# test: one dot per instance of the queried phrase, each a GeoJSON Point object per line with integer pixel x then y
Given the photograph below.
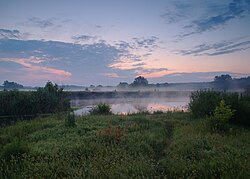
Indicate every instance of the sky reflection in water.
{"type": "Point", "coordinates": [126, 106]}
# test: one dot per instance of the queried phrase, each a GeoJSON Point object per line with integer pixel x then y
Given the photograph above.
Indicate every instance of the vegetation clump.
{"type": "Point", "coordinates": [16, 105]}
{"type": "Point", "coordinates": [14, 149]}
{"type": "Point", "coordinates": [139, 82]}
{"type": "Point", "coordinates": [222, 114]}
{"type": "Point", "coordinates": [101, 108]}
{"type": "Point", "coordinates": [70, 120]}
{"type": "Point", "coordinates": [134, 146]}
{"type": "Point", "coordinates": [203, 104]}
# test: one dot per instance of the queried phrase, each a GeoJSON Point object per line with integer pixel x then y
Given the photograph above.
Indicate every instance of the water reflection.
{"type": "Point", "coordinates": [126, 106]}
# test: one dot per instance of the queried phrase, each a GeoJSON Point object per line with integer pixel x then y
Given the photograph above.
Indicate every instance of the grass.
{"type": "Point", "coordinates": [169, 145]}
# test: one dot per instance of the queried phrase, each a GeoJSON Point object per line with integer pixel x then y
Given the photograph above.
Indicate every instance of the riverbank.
{"type": "Point", "coordinates": [125, 94]}
{"type": "Point", "coordinates": [171, 145]}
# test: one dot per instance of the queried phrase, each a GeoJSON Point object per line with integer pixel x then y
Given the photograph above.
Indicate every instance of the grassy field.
{"type": "Point", "coordinates": [170, 145]}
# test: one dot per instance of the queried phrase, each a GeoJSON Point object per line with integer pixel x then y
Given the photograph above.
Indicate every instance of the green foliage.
{"type": "Point", "coordinates": [222, 114]}
{"type": "Point", "coordinates": [101, 108]}
{"type": "Point", "coordinates": [14, 149]}
{"type": "Point", "coordinates": [51, 99]}
{"type": "Point", "coordinates": [26, 104]}
{"type": "Point", "coordinates": [167, 145]}
{"type": "Point", "coordinates": [247, 89]}
{"type": "Point", "coordinates": [203, 104]}
{"type": "Point", "coordinates": [195, 152]}
{"type": "Point", "coordinates": [242, 110]}
{"type": "Point", "coordinates": [158, 112]}
{"type": "Point", "coordinates": [70, 120]}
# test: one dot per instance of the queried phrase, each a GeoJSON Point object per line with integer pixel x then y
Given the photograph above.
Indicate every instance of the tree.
{"type": "Point", "coordinates": [51, 99]}
{"type": "Point", "coordinates": [223, 82]}
{"type": "Point", "coordinates": [247, 89]}
{"type": "Point", "coordinates": [11, 85]}
{"type": "Point", "coordinates": [140, 81]}
{"type": "Point", "coordinates": [123, 85]}
{"type": "Point", "coordinates": [223, 78]}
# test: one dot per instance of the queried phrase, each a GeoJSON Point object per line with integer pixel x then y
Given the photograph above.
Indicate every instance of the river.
{"type": "Point", "coordinates": [133, 105]}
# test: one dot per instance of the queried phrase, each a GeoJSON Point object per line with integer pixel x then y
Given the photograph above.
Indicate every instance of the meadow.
{"type": "Point", "coordinates": [160, 145]}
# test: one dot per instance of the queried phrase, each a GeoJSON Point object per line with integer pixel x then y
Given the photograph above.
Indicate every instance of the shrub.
{"type": "Point", "coordinates": [242, 114]}
{"type": "Point", "coordinates": [70, 120]}
{"type": "Point", "coordinates": [158, 112]}
{"type": "Point", "coordinates": [203, 103]}
{"type": "Point", "coordinates": [222, 114]}
{"type": "Point", "coordinates": [101, 108]}
{"type": "Point", "coordinates": [27, 104]}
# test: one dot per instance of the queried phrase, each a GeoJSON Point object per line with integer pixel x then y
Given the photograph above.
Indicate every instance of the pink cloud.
{"type": "Point", "coordinates": [31, 72]}
{"type": "Point", "coordinates": [154, 74]}
{"type": "Point", "coordinates": [111, 75]}
{"type": "Point", "coordinates": [124, 63]}
{"type": "Point", "coordinates": [29, 66]}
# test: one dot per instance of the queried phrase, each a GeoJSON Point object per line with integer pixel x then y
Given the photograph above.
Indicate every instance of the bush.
{"type": "Point", "coordinates": [27, 104]}
{"type": "Point", "coordinates": [70, 120]}
{"type": "Point", "coordinates": [101, 108]}
{"type": "Point", "coordinates": [222, 115]}
{"type": "Point", "coordinates": [203, 104]}
{"type": "Point", "coordinates": [242, 113]}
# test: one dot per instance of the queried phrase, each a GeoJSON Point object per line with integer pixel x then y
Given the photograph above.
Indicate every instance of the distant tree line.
{"type": "Point", "coordinates": [11, 85]}
{"type": "Point", "coordinates": [27, 104]}
{"type": "Point", "coordinates": [226, 82]}
{"type": "Point", "coordinates": [139, 81]}
{"type": "Point", "coordinates": [222, 82]}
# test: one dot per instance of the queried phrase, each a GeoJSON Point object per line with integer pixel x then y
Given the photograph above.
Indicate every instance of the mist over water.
{"type": "Point", "coordinates": [133, 105]}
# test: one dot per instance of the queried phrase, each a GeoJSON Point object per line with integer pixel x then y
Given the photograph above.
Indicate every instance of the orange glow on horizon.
{"type": "Point", "coordinates": [156, 74]}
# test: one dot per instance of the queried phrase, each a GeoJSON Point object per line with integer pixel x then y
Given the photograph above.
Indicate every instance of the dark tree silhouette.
{"type": "Point", "coordinates": [223, 82]}
{"type": "Point", "coordinates": [140, 81]}
{"type": "Point", "coordinates": [223, 78]}
{"type": "Point", "coordinates": [123, 85]}
{"type": "Point", "coordinates": [11, 85]}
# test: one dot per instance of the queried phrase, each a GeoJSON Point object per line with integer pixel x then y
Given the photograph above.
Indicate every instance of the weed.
{"type": "Point", "coordinates": [70, 120]}
{"type": "Point", "coordinates": [222, 114]}
{"type": "Point", "coordinates": [101, 108]}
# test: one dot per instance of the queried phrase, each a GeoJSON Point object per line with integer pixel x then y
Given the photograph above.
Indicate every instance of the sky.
{"type": "Point", "coordinates": [105, 42]}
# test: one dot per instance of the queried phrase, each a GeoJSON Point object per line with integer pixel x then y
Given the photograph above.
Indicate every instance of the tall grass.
{"type": "Point", "coordinates": [168, 145]}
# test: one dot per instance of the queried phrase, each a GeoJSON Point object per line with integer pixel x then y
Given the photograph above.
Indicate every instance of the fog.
{"type": "Point", "coordinates": [174, 101]}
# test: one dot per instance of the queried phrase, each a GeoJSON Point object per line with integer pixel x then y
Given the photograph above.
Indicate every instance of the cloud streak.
{"type": "Point", "coordinates": [111, 75]}
{"type": "Point", "coordinates": [83, 38]}
{"type": "Point", "coordinates": [224, 47]}
{"type": "Point", "coordinates": [153, 73]}
{"type": "Point", "coordinates": [135, 57]}
{"type": "Point", "coordinates": [86, 61]}
{"type": "Point", "coordinates": [9, 34]}
{"type": "Point", "coordinates": [42, 23]}
{"type": "Point", "coordinates": [176, 11]}
{"type": "Point", "coordinates": [212, 16]}
{"type": "Point", "coordinates": [235, 9]}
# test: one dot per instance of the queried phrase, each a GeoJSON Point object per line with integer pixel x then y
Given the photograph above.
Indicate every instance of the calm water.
{"type": "Point", "coordinates": [131, 105]}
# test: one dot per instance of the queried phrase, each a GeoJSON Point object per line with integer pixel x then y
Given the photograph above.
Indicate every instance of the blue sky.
{"type": "Point", "coordinates": [105, 42]}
